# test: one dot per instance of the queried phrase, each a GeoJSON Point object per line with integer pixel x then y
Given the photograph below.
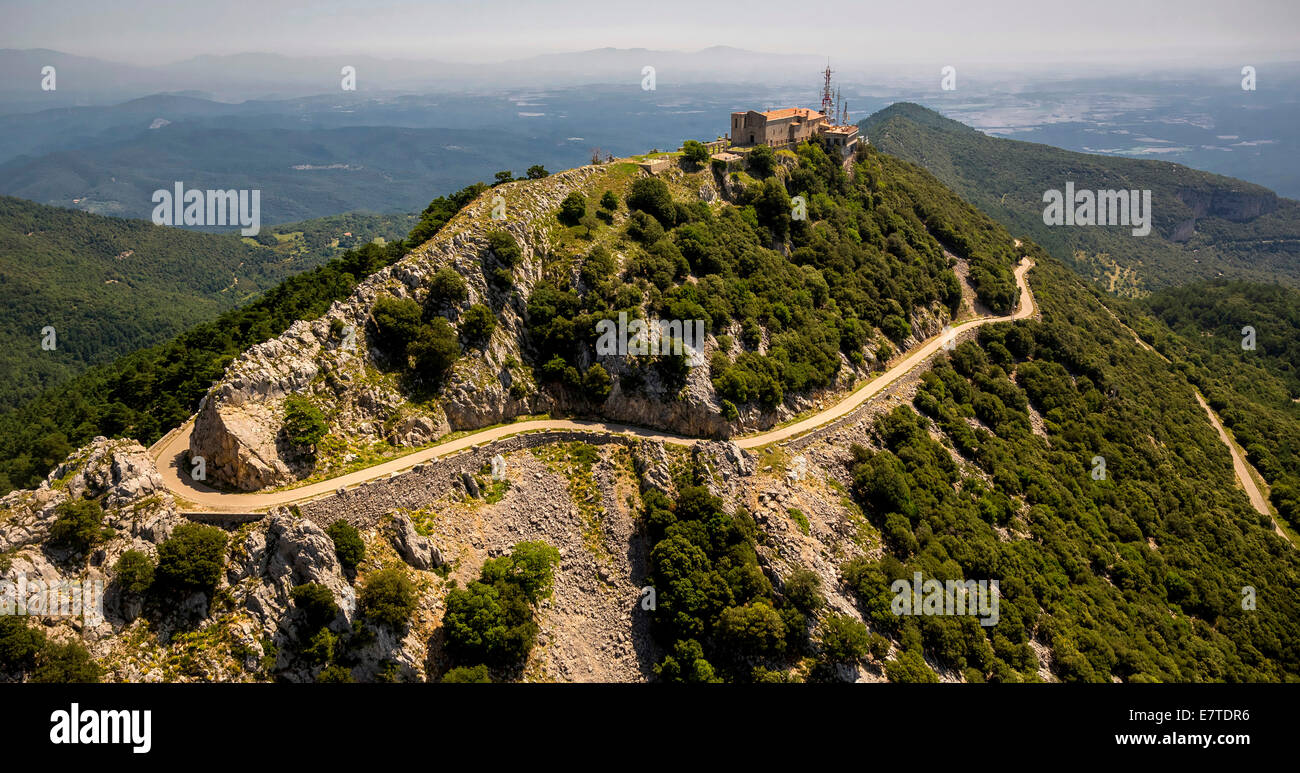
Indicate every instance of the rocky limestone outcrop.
{"type": "Point", "coordinates": [1237, 204]}
{"type": "Point", "coordinates": [414, 549]}
{"type": "Point", "coordinates": [725, 462]}
{"type": "Point", "coordinates": [270, 561]}
{"type": "Point", "coordinates": [230, 634]}
{"type": "Point", "coordinates": [333, 361]}
{"type": "Point", "coordinates": [650, 460]}
{"type": "Point", "coordinates": [118, 473]}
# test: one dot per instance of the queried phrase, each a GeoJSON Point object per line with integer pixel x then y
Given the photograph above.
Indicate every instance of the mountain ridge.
{"type": "Point", "coordinates": [1205, 225]}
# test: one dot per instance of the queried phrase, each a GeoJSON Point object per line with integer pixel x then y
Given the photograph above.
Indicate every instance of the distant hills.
{"type": "Point", "coordinates": [1206, 226]}
{"type": "Point", "coordinates": [109, 286]}
{"type": "Point", "coordinates": [257, 75]}
{"type": "Point", "coordinates": [302, 173]}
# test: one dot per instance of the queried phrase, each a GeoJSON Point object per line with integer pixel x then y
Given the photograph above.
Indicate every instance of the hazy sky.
{"type": "Point", "coordinates": [1102, 31]}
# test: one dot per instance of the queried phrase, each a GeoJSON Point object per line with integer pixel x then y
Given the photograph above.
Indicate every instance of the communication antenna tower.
{"type": "Point", "coordinates": [828, 102]}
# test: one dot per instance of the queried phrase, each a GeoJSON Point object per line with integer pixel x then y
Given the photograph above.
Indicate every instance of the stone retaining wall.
{"type": "Point", "coordinates": [224, 520]}
{"type": "Point", "coordinates": [364, 505]}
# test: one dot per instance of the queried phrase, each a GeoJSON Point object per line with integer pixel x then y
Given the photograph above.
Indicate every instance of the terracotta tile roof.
{"type": "Point", "coordinates": [790, 112]}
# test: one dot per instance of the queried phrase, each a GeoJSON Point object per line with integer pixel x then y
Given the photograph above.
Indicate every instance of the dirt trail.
{"type": "Point", "coordinates": [170, 451]}
{"type": "Point", "coordinates": [1239, 465]}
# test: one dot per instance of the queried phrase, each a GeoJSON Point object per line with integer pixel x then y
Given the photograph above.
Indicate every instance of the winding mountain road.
{"type": "Point", "coordinates": [170, 452]}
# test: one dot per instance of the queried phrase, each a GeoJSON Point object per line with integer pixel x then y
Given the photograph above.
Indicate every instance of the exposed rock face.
{"type": "Point", "coordinates": [1229, 204]}
{"type": "Point", "coordinates": [650, 460]}
{"type": "Point", "coordinates": [238, 442]}
{"type": "Point", "coordinates": [725, 461]}
{"type": "Point", "coordinates": [417, 430]}
{"type": "Point", "coordinates": [1237, 205]}
{"type": "Point", "coordinates": [333, 361]}
{"type": "Point", "coordinates": [119, 473]}
{"type": "Point", "coordinates": [252, 604]}
{"type": "Point", "coordinates": [415, 550]}
{"type": "Point", "coordinates": [288, 552]}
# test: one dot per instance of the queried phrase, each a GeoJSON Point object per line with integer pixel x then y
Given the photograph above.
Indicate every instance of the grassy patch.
{"type": "Point", "coordinates": [773, 459]}
{"type": "Point", "coordinates": [575, 462]}
{"type": "Point", "coordinates": [798, 517]}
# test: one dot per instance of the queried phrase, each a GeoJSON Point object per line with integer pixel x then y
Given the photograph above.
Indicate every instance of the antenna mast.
{"type": "Point", "coordinates": [828, 102]}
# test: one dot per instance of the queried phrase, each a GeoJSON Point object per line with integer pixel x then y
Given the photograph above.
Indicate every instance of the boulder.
{"type": "Point", "coordinates": [414, 549]}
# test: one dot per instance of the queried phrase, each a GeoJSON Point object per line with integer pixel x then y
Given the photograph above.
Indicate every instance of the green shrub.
{"type": "Point", "coordinates": [316, 603]}
{"type": "Point", "coordinates": [505, 248]}
{"type": "Point", "coordinates": [348, 545]}
{"type": "Point", "coordinates": [597, 267]}
{"type": "Point", "coordinates": [686, 664]}
{"type": "Point", "coordinates": [335, 675]}
{"type": "Point", "coordinates": [477, 324]}
{"type": "Point", "coordinates": [388, 598]}
{"type": "Point", "coordinates": [491, 620]}
{"type": "Point", "coordinates": [695, 152]}
{"type": "Point", "coordinates": [78, 525]}
{"type": "Point", "coordinates": [879, 647]}
{"type": "Point", "coordinates": [803, 589]}
{"type": "Point", "coordinates": [651, 195]}
{"type": "Point", "coordinates": [191, 559]}
{"type": "Point", "coordinates": [65, 663]}
{"type": "Point", "coordinates": [492, 623]}
{"type": "Point", "coordinates": [895, 327]}
{"type": "Point", "coordinates": [19, 644]}
{"type": "Point", "coordinates": [762, 162]}
{"type": "Point", "coordinates": [644, 228]}
{"type": "Point", "coordinates": [397, 320]}
{"type": "Point", "coordinates": [319, 648]}
{"type": "Point", "coordinates": [843, 639]}
{"type": "Point", "coordinates": [134, 572]}
{"type": "Point", "coordinates": [909, 667]}
{"type": "Point", "coordinates": [435, 349]}
{"type": "Point", "coordinates": [752, 630]}
{"type": "Point", "coordinates": [448, 288]}
{"type": "Point", "coordinates": [799, 518]}
{"type": "Point", "coordinates": [596, 383]}
{"type": "Point", "coordinates": [573, 208]}
{"type": "Point", "coordinates": [304, 424]}
{"type": "Point", "coordinates": [530, 565]}
{"type": "Point", "coordinates": [609, 202]}
{"type": "Point", "coordinates": [467, 675]}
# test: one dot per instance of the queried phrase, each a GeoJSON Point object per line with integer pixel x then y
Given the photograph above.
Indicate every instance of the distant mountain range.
{"type": "Point", "coordinates": [1205, 226]}
{"type": "Point", "coordinates": [301, 174]}
{"type": "Point", "coordinates": [87, 81]}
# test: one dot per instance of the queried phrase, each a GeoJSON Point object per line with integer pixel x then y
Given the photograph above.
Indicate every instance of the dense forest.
{"type": "Point", "coordinates": [109, 286]}
{"type": "Point", "coordinates": [1141, 575]}
{"type": "Point", "coordinates": [149, 391]}
{"type": "Point", "coordinates": [784, 296]}
{"type": "Point", "coordinates": [1241, 230]}
{"type": "Point", "coordinates": [1254, 385]}
{"type": "Point", "coordinates": [1157, 571]}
